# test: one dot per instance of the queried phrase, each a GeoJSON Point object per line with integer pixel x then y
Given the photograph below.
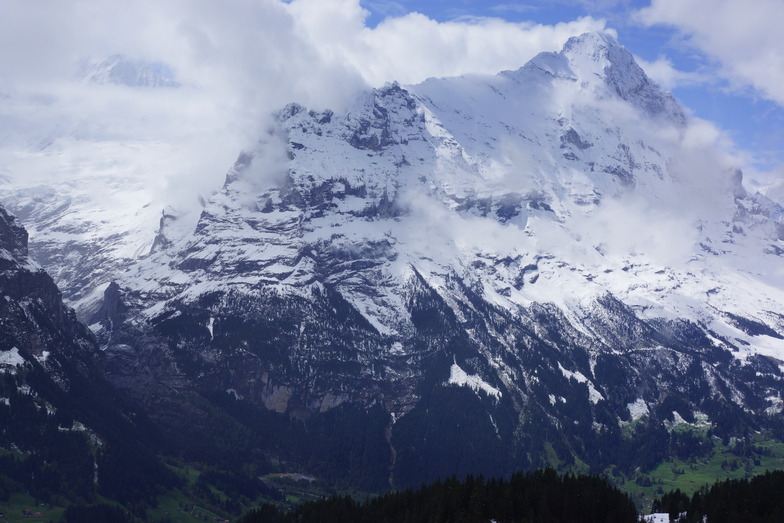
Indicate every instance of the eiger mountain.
{"type": "Point", "coordinates": [472, 274]}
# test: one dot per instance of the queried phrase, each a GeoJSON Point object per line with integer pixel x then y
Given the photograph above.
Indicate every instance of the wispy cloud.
{"type": "Point", "coordinates": [663, 72]}
{"type": "Point", "coordinates": [387, 8]}
{"type": "Point", "coordinates": [513, 8]}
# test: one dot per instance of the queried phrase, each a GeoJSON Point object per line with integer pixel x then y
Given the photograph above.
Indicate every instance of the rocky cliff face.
{"type": "Point", "coordinates": [470, 274]}
{"type": "Point", "coordinates": [64, 430]}
{"type": "Point", "coordinates": [36, 323]}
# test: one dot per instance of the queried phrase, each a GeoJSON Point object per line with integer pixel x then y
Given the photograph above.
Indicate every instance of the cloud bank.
{"type": "Point", "coordinates": [745, 39]}
{"type": "Point", "coordinates": [413, 47]}
{"type": "Point", "coordinates": [308, 49]}
{"type": "Point", "coordinates": [238, 61]}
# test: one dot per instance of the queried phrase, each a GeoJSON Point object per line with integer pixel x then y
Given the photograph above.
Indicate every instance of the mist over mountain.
{"type": "Point", "coordinates": [121, 70]}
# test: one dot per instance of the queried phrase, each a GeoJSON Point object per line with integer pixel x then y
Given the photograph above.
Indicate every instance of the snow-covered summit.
{"type": "Point", "coordinates": [601, 55]}
{"type": "Point", "coordinates": [598, 62]}
{"type": "Point", "coordinates": [546, 165]}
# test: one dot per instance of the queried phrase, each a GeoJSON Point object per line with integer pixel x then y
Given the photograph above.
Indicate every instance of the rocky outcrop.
{"type": "Point", "coordinates": [61, 419]}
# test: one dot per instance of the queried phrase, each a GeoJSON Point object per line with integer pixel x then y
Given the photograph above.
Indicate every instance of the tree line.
{"type": "Point", "coordinates": [540, 496]}
{"type": "Point", "coordinates": [756, 499]}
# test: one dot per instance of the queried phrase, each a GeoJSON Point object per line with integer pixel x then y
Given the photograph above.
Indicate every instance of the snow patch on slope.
{"type": "Point", "coordinates": [638, 409]}
{"type": "Point", "coordinates": [11, 358]}
{"type": "Point", "coordinates": [593, 395]}
{"type": "Point", "coordinates": [457, 376]}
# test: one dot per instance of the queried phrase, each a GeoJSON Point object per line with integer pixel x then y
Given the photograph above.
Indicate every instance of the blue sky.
{"type": "Point", "coordinates": [697, 75]}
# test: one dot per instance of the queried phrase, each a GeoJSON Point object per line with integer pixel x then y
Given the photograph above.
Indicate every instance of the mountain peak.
{"type": "Point", "coordinates": [598, 55]}
{"type": "Point", "coordinates": [594, 42]}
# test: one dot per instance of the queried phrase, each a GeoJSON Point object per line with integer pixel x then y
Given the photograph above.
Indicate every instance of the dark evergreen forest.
{"type": "Point", "coordinates": [758, 499]}
{"type": "Point", "coordinates": [541, 496]}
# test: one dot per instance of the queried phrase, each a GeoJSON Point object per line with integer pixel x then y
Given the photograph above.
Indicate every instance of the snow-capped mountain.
{"type": "Point", "coordinates": [528, 264]}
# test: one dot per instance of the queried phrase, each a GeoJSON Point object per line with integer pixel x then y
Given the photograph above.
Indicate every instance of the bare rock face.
{"type": "Point", "coordinates": [13, 237]}
{"type": "Point", "coordinates": [61, 418]}
{"type": "Point", "coordinates": [36, 320]}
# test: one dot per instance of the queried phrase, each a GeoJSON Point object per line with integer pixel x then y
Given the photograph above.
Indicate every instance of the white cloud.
{"type": "Point", "coordinates": [745, 38]}
{"type": "Point", "coordinates": [315, 51]}
{"type": "Point", "coordinates": [664, 73]}
{"type": "Point", "coordinates": [413, 47]}
{"type": "Point", "coordinates": [256, 55]}
{"type": "Point", "coordinates": [239, 60]}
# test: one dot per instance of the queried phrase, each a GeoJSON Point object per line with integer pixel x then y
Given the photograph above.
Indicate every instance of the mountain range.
{"type": "Point", "coordinates": [481, 274]}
